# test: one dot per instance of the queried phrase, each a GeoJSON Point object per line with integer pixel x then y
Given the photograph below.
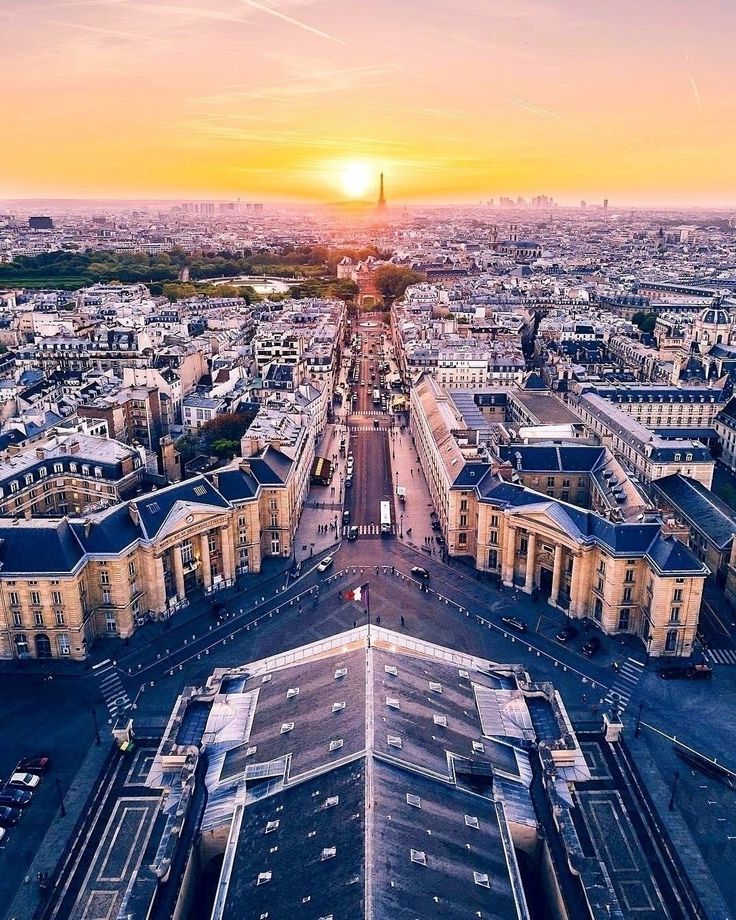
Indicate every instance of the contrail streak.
{"type": "Point", "coordinates": [254, 4]}
{"type": "Point", "coordinates": [693, 84]}
{"type": "Point", "coordinates": [547, 113]}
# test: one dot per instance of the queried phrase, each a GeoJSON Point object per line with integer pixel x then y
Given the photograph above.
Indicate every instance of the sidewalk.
{"type": "Point", "coordinates": [413, 514]}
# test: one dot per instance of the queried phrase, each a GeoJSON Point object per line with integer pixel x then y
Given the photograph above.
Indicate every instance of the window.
{"type": "Point", "coordinates": [434, 687]}
{"type": "Point", "coordinates": [523, 545]}
{"type": "Point", "coordinates": [629, 577]}
{"type": "Point", "coordinates": [677, 595]}
{"type": "Point", "coordinates": [478, 747]}
{"type": "Point", "coordinates": [419, 857]}
{"type": "Point", "coordinates": [627, 595]}
{"type": "Point", "coordinates": [624, 617]}
{"type": "Point", "coordinates": [341, 672]}
{"type": "Point", "coordinates": [59, 617]}
{"type": "Point", "coordinates": [337, 707]}
{"type": "Point", "coordinates": [111, 623]}
{"type": "Point", "coordinates": [471, 821]}
{"type": "Point", "coordinates": [336, 744]}
{"type": "Point", "coordinates": [550, 481]}
{"type": "Point", "coordinates": [56, 598]}
{"type": "Point", "coordinates": [441, 721]}
{"type": "Point", "coordinates": [106, 596]}
{"type": "Point", "coordinates": [393, 741]}
{"type": "Point", "coordinates": [481, 878]}
{"type": "Point", "coordinates": [392, 702]}
{"type": "Point", "coordinates": [263, 878]}
{"type": "Point", "coordinates": [493, 538]}
{"type": "Point", "coordinates": [675, 614]}
{"type": "Point", "coordinates": [131, 569]}
{"type": "Point", "coordinates": [271, 826]}
{"type": "Point", "coordinates": [413, 800]}
{"type": "Point", "coordinates": [286, 727]}
{"type": "Point", "coordinates": [292, 692]}
{"type": "Point", "coordinates": [670, 644]}
{"type": "Point", "coordinates": [104, 577]}
{"type": "Point", "coordinates": [462, 539]}
{"type": "Point", "coordinates": [14, 599]}
{"type": "Point", "coordinates": [17, 618]}
{"type": "Point", "coordinates": [494, 520]}
{"type": "Point", "coordinates": [63, 643]}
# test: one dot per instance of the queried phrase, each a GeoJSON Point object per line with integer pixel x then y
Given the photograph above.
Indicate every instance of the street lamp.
{"type": "Point", "coordinates": [675, 778]}
{"type": "Point", "coordinates": [638, 719]}
{"type": "Point", "coordinates": [61, 798]}
{"type": "Point", "coordinates": [401, 525]}
{"type": "Point", "coordinates": [97, 727]}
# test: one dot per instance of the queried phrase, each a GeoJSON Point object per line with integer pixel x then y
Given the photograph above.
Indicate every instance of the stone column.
{"type": "Point", "coordinates": [556, 576]}
{"type": "Point", "coordinates": [531, 559]}
{"type": "Point", "coordinates": [204, 551]}
{"type": "Point", "coordinates": [178, 572]}
{"type": "Point", "coordinates": [157, 590]}
{"type": "Point", "coordinates": [509, 552]}
{"type": "Point", "coordinates": [228, 567]}
{"type": "Point", "coordinates": [577, 602]}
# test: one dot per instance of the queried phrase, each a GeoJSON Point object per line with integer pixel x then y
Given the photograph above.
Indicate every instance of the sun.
{"type": "Point", "coordinates": [355, 179]}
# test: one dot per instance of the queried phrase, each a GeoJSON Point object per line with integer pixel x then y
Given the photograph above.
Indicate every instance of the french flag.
{"type": "Point", "coordinates": [359, 594]}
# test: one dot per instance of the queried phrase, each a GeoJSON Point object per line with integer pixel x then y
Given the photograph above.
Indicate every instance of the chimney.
{"type": "Point", "coordinates": [74, 446]}
{"type": "Point", "coordinates": [244, 466]}
{"type": "Point", "coordinates": [134, 515]}
{"type": "Point", "coordinates": [216, 480]}
{"type": "Point", "coordinates": [87, 528]}
{"type": "Point", "coordinates": [40, 453]}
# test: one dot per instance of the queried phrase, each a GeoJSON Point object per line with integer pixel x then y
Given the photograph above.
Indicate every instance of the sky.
{"type": "Point", "coordinates": [309, 100]}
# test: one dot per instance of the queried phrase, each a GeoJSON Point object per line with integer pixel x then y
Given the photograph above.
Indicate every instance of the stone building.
{"type": "Point", "coordinates": [630, 577]}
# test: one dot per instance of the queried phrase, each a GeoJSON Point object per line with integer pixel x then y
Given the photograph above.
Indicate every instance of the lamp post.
{"type": "Point", "coordinates": [61, 798]}
{"type": "Point", "coordinates": [675, 778]}
{"type": "Point", "coordinates": [401, 525]}
{"type": "Point", "coordinates": [97, 727]}
{"type": "Point", "coordinates": [638, 719]}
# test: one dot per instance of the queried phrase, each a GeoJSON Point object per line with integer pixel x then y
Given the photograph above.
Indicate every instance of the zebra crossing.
{"type": "Point", "coordinates": [362, 429]}
{"type": "Point", "coordinates": [370, 412]}
{"type": "Point", "coordinates": [627, 678]}
{"type": "Point", "coordinates": [367, 530]}
{"type": "Point", "coordinates": [112, 689]}
{"type": "Point", "coordinates": [721, 655]}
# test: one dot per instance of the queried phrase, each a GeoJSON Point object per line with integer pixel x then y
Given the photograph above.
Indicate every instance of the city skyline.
{"type": "Point", "coordinates": [282, 101]}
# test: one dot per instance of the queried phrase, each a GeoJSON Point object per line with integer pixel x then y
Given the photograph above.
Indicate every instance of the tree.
{"type": "Point", "coordinates": [392, 280]}
{"type": "Point", "coordinates": [645, 321]}
{"type": "Point", "coordinates": [230, 426]}
{"type": "Point", "coordinates": [225, 448]}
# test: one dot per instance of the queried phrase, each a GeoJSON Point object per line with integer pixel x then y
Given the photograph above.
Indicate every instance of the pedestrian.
{"type": "Point", "coordinates": [402, 621]}
{"type": "Point", "coordinates": [378, 620]}
{"type": "Point", "coordinates": [412, 472]}
{"type": "Point", "coordinates": [376, 570]}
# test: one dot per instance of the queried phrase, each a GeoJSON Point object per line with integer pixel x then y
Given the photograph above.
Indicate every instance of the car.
{"type": "Point", "coordinates": [439, 540]}
{"type": "Point", "coordinates": [325, 564]}
{"type": "Point", "coordinates": [39, 764]}
{"type": "Point", "coordinates": [362, 383]}
{"type": "Point", "coordinates": [24, 780]}
{"type": "Point", "coordinates": [566, 633]}
{"type": "Point", "coordinates": [353, 533]}
{"type": "Point", "coordinates": [349, 482]}
{"type": "Point", "coordinates": [514, 623]}
{"type": "Point", "coordinates": [418, 572]}
{"type": "Point", "coordinates": [435, 525]}
{"type": "Point", "coordinates": [672, 672]}
{"type": "Point", "coordinates": [9, 817]}
{"type": "Point", "coordinates": [591, 646]}
{"type": "Point", "coordinates": [15, 798]}
{"type": "Point", "coordinates": [346, 517]}
{"type": "Point", "coordinates": [686, 672]}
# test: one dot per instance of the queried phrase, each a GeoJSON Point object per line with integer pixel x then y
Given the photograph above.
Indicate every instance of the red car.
{"type": "Point", "coordinates": [38, 764]}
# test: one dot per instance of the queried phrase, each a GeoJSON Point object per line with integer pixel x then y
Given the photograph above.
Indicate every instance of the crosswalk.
{"type": "Point", "coordinates": [370, 412]}
{"type": "Point", "coordinates": [367, 530]}
{"type": "Point", "coordinates": [721, 655]}
{"type": "Point", "coordinates": [113, 691]}
{"type": "Point", "coordinates": [627, 678]}
{"type": "Point", "coordinates": [362, 429]}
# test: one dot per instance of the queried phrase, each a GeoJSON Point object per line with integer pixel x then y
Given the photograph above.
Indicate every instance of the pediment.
{"type": "Point", "coordinates": [185, 514]}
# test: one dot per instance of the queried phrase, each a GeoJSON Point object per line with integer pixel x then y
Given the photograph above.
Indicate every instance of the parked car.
{"type": "Point", "coordinates": [514, 623]}
{"type": "Point", "coordinates": [435, 525]}
{"type": "Point", "coordinates": [24, 780]}
{"type": "Point", "coordinates": [686, 672]}
{"type": "Point", "coordinates": [9, 817]}
{"type": "Point", "coordinates": [353, 533]}
{"type": "Point", "coordinates": [346, 517]}
{"type": "Point", "coordinates": [15, 798]}
{"type": "Point", "coordinates": [39, 764]}
{"type": "Point", "coordinates": [418, 572]}
{"type": "Point", "coordinates": [566, 633]}
{"type": "Point", "coordinates": [325, 564]}
{"type": "Point", "coordinates": [591, 646]}
{"type": "Point", "coordinates": [348, 482]}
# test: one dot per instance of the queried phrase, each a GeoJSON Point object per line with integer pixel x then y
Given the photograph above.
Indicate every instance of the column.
{"type": "Point", "coordinates": [531, 559]}
{"type": "Point", "coordinates": [204, 551]}
{"type": "Point", "coordinates": [577, 602]}
{"type": "Point", "coordinates": [509, 552]}
{"type": "Point", "coordinates": [157, 590]}
{"type": "Point", "coordinates": [228, 569]}
{"type": "Point", "coordinates": [178, 572]}
{"type": "Point", "coordinates": [556, 576]}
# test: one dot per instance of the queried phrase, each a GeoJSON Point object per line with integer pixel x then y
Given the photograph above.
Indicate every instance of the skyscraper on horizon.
{"type": "Point", "coordinates": [381, 197]}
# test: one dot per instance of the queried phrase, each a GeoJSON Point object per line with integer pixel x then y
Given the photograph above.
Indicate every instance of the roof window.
{"type": "Point", "coordinates": [286, 727]}
{"type": "Point", "coordinates": [336, 744]}
{"type": "Point", "coordinates": [394, 741]}
{"type": "Point", "coordinates": [417, 856]}
{"type": "Point", "coordinates": [435, 687]}
{"type": "Point", "coordinates": [340, 672]}
{"type": "Point", "coordinates": [263, 877]}
{"type": "Point", "coordinates": [481, 878]}
{"type": "Point", "coordinates": [479, 747]}
{"type": "Point", "coordinates": [291, 692]}
{"type": "Point", "coordinates": [471, 821]}
{"type": "Point", "coordinates": [391, 669]}
{"type": "Point", "coordinates": [414, 800]}
{"type": "Point", "coordinates": [392, 702]}
{"type": "Point", "coordinates": [272, 826]}
{"type": "Point", "coordinates": [331, 801]}
{"type": "Point", "coordinates": [328, 853]}
{"type": "Point", "coordinates": [440, 720]}
{"type": "Point", "coordinates": [249, 752]}
{"type": "Point", "coordinates": [463, 673]}
{"type": "Point", "coordinates": [336, 707]}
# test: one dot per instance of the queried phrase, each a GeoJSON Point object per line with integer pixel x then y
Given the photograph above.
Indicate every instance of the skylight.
{"type": "Point", "coordinates": [340, 672]}
{"type": "Point", "coordinates": [414, 800]}
{"type": "Point", "coordinates": [153, 508]}
{"type": "Point", "coordinates": [394, 741]}
{"type": "Point", "coordinates": [481, 878]}
{"type": "Point", "coordinates": [417, 856]}
{"type": "Point", "coordinates": [392, 702]}
{"type": "Point", "coordinates": [336, 707]}
{"type": "Point", "coordinates": [328, 853]}
{"type": "Point", "coordinates": [286, 727]}
{"type": "Point", "coordinates": [271, 826]}
{"type": "Point", "coordinates": [435, 687]}
{"type": "Point", "coordinates": [200, 490]}
{"type": "Point", "coordinates": [471, 821]}
{"type": "Point", "coordinates": [440, 720]}
{"type": "Point", "coordinates": [336, 744]}
{"type": "Point", "coordinates": [263, 877]}
{"type": "Point", "coordinates": [292, 691]}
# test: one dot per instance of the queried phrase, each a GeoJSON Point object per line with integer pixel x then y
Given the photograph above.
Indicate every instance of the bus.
{"type": "Point", "coordinates": [376, 397]}
{"type": "Point", "coordinates": [385, 519]}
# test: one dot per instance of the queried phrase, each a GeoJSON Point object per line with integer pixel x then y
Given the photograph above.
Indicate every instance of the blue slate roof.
{"type": "Point", "coordinates": [155, 507]}
{"type": "Point", "coordinates": [543, 458]}
{"type": "Point", "coordinates": [39, 547]}
{"type": "Point", "coordinates": [700, 507]}
{"type": "Point", "coordinates": [109, 533]}
{"type": "Point", "coordinates": [236, 484]}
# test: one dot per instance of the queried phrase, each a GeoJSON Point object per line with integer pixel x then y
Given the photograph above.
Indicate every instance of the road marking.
{"type": "Point", "coordinates": [721, 655]}
{"type": "Point", "coordinates": [101, 663]}
{"type": "Point", "coordinates": [628, 676]}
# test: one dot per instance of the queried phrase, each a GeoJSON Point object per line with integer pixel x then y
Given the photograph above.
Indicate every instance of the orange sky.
{"type": "Point", "coordinates": [453, 99]}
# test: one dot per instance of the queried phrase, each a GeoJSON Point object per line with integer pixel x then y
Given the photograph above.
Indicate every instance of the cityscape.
{"type": "Point", "coordinates": [367, 461]}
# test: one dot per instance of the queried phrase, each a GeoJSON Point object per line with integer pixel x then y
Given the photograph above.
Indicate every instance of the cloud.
{"type": "Point", "coordinates": [300, 24]}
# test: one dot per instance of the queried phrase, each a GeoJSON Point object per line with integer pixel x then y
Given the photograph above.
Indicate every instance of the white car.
{"type": "Point", "coordinates": [324, 565]}
{"type": "Point", "coordinates": [24, 780]}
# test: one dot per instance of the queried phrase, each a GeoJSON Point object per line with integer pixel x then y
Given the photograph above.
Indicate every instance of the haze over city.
{"type": "Point", "coordinates": [296, 100]}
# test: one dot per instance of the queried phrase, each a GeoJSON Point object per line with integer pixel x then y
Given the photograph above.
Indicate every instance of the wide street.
{"type": "Point", "coordinates": [274, 611]}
